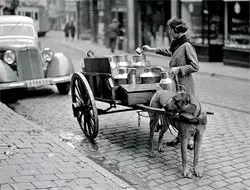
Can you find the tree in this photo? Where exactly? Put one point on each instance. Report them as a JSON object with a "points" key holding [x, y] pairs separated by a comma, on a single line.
{"points": [[10, 10]]}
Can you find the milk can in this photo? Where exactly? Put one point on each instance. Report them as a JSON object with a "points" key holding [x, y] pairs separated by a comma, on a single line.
{"points": [[120, 60], [149, 77], [122, 77], [166, 82], [117, 61], [131, 75], [139, 62]]}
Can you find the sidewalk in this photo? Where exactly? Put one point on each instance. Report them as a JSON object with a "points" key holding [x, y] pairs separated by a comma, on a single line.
{"points": [[217, 69], [31, 158]]}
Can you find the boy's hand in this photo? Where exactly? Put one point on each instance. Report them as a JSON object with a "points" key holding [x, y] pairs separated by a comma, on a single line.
{"points": [[146, 47], [175, 70]]}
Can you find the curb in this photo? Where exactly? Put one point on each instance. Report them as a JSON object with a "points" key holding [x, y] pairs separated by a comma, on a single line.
{"points": [[74, 152], [211, 74], [223, 76]]}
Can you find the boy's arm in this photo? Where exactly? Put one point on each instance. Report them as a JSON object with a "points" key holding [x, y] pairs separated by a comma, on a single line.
{"points": [[163, 51], [157, 50]]}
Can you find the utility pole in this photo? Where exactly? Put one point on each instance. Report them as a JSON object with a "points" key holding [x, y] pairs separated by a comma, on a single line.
{"points": [[78, 18], [94, 20]]}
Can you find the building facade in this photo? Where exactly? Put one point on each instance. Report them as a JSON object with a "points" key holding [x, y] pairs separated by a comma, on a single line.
{"points": [[220, 30]]}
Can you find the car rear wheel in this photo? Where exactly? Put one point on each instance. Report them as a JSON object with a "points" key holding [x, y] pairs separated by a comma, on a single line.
{"points": [[63, 88]]}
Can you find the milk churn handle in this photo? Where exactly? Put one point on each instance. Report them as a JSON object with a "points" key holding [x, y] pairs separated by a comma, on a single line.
{"points": [[177, 82], [178, 85]]}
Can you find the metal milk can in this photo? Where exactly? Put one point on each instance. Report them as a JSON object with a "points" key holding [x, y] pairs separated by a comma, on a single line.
{"points": [[120, 60], [117, 61], [166, 82], [122, 77], [149, 76], [131, 75], [124, 62], [139, 62]]}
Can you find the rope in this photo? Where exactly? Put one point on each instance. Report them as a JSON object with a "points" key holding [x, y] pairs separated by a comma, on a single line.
{"points": [[139, 115]]}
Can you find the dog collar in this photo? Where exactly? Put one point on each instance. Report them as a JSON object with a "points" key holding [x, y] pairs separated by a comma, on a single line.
{"points": [[189, 118]]}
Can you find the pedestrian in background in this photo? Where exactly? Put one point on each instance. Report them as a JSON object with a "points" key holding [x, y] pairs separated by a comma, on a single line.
{"points": [[121, 37], [183, 60], [66, 31], [113, 31], [72, 29]]}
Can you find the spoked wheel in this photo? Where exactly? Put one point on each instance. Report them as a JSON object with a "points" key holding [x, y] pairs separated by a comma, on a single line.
{"points": [[83, 105]]}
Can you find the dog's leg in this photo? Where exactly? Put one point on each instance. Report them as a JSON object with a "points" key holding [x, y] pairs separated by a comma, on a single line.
{"points": [[197, 144], [165, 126], [154, 118], [185, 135]]}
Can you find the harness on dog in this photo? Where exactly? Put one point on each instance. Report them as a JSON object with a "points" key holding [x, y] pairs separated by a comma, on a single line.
{"points": [[190, 118]]}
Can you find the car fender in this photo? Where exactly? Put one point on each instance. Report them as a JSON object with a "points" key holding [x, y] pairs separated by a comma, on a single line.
{"points": [[6, 73], [60, 65]]}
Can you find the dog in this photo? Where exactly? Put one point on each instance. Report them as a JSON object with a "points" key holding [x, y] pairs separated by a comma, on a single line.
{"points": [[183, 112]]}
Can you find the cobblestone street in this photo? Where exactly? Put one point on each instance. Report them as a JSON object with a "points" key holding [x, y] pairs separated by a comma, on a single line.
{"points": [[121, 147]]}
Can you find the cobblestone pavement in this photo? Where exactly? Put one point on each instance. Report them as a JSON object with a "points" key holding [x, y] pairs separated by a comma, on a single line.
{"points": [[31, 158], [121, 146]]}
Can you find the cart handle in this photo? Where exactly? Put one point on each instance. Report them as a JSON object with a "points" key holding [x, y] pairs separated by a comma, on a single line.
{"points": [[151, 109]]}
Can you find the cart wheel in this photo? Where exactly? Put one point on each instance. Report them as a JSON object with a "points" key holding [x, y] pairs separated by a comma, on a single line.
{"points": [[83, 105]]}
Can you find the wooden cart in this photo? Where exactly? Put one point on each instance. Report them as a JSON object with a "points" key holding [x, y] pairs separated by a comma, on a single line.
{"points": [[96, 83]]}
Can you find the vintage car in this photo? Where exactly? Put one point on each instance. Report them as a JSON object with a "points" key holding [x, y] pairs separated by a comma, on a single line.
{"points": [[22, 62]]}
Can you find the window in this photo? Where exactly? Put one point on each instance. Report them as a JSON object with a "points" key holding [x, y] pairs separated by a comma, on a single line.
{"points": [[215, 22], [238, 25], [36, 16], [16, 30], [28, 14], [205, 20], [191, 12]]}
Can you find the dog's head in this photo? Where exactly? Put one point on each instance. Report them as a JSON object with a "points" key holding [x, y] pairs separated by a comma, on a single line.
{"points": [[180, 103]]}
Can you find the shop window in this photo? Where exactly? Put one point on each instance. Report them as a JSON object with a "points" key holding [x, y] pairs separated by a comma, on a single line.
{"points": [[215, 22], [154, 16], [238, 25], [205, 20], [191, 12]]}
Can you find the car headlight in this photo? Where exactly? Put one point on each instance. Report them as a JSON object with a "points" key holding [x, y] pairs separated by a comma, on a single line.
{"points": [[47, 54], [9, 57]]}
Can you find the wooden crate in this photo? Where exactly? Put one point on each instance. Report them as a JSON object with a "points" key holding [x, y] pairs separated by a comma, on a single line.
{"points": [[132, 94], [97, 65]]}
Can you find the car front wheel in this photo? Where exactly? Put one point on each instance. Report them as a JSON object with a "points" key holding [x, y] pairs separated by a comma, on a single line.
{"points": [[63, 88]]}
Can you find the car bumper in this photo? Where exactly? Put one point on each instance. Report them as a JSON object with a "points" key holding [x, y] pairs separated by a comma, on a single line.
{"points": [[35, 83]]}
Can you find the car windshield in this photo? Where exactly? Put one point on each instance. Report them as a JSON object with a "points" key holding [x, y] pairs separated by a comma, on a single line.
{"points": [[16, 30]]}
